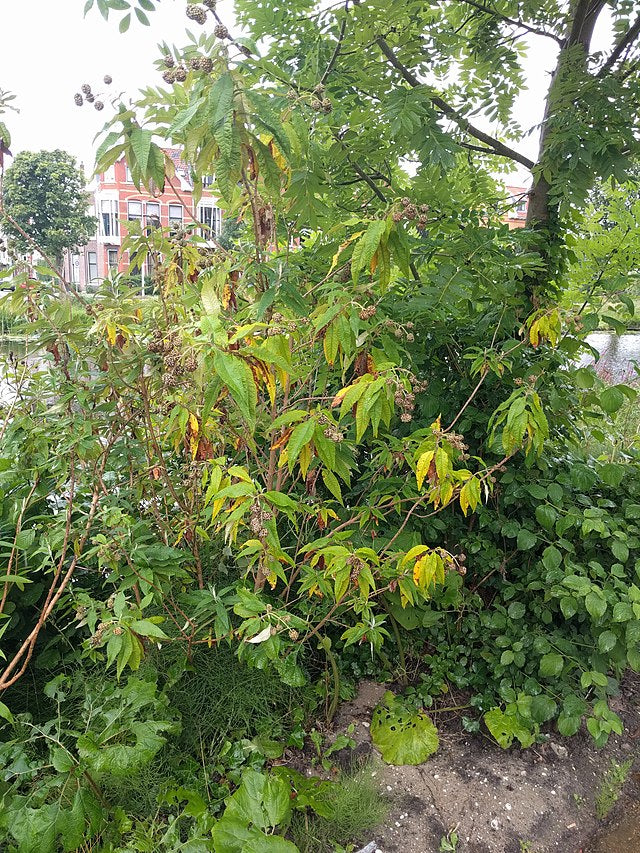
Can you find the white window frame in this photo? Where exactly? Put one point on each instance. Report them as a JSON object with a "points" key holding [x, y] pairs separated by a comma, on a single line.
{"points": [[113, 266], [148, 217], [127, 174], [134, 217], [90, 264], [109, 208], [174, 220], [212, 219]]}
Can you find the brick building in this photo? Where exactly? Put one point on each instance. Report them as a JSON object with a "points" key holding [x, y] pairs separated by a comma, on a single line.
{"points": [[516, 216], [116, 200]]}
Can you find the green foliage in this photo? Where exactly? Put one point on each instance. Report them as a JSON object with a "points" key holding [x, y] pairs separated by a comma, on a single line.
{"points": [[611, 787], [355, 808], [44, 196], [358, 418], [402, 735]]}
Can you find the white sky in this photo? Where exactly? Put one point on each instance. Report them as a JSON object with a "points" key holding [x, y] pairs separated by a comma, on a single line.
{"points": [[47, 50]]}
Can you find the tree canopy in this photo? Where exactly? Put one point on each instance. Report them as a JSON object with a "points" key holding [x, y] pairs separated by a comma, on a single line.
{"points": [[46, 203]]}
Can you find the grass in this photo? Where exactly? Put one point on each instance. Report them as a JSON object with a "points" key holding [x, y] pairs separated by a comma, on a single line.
{"points": [[221, 699], [357, 808], [611, 787]]}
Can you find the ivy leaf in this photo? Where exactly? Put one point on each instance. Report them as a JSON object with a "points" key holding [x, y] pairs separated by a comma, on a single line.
{"points": [[403, 736]]}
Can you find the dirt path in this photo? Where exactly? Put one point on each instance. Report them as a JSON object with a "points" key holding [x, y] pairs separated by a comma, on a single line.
{"points": [[518, 801]]}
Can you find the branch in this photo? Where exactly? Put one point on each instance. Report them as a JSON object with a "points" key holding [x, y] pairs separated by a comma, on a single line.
{"points": [[338, 48], [514, 22], [626, 41], [495, 145]]}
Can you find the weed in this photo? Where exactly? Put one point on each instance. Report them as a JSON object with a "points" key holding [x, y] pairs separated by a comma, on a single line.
{"points": [[356, 806], [578, 800], [612, 783], [449, 842]]}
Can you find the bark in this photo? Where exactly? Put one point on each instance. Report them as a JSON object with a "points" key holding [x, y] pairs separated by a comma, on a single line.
{"points": [[541, 212]]}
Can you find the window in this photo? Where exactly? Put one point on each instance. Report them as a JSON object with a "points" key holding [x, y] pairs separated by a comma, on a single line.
{"points": [[175, 214], [207, 180], [109, 218], [109, 176], [153, 214], [128, 177], [92, 266], [211, 218], [134, 211], [112, 259], [75, 269]]}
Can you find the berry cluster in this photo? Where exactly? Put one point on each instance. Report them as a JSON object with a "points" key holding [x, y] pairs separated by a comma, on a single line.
{"points": [[257, 520], [199, 15], [331, 431], [412, 211], [175, 364], [368, 312], [89, 97], [321, 106], [178, 73]]}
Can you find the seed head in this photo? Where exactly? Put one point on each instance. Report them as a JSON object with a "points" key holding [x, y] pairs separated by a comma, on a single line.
{"points": [[98, 106], [85, 89], [108, 79], [78, 100], [197, 13], [220, 31]]}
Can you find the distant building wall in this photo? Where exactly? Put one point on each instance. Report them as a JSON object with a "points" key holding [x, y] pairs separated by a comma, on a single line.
{"points": [[116, 200]]}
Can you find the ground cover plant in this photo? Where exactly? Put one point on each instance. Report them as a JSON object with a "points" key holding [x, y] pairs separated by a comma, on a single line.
{"points": [[349, 438]]}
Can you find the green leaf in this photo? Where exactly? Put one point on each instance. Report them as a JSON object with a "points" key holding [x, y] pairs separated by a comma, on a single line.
{"points": [[546, 516], [301, 435], [505, 727], [526, 539], [543, 708], [62, 761], [148, 629], [516, 610], [237, 376], [331, 482], [5, 713], [551, 665], [596, 605], [551, 558], [611, 399], [620, 551], [402, 736], [366, 248], [607, 641]]}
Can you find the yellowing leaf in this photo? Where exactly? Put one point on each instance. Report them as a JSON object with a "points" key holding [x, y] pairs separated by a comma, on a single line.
{"points": [[422, 468], [112, 334]]}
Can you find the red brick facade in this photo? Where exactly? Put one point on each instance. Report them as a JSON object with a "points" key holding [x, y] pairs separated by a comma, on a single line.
{"points": [[116, 201]]}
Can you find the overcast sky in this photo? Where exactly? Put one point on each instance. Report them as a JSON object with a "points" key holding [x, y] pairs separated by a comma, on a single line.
{"points": [[48, 50]]}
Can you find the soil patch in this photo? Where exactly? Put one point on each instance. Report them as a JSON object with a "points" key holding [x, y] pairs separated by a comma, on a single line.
{"points": [[517, 801]]}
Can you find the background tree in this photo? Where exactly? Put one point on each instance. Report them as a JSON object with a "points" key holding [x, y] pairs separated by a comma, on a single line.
{"points": [[44, 197]]}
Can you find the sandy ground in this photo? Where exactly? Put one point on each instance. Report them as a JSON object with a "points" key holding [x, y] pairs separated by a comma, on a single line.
{"points": [[516, 801]]}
